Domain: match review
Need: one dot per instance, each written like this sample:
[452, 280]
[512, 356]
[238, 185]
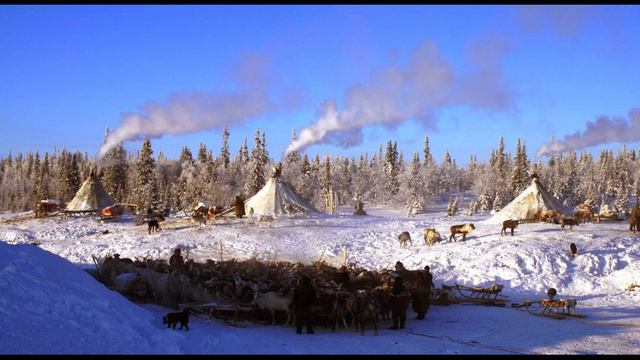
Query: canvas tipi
[525, 206]
[277, 197]
[91, 196]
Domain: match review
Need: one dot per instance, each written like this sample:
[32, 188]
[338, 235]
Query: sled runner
[554, 309]
[480, 295]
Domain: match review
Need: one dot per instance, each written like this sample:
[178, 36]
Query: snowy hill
[48, 305]
[52, 306]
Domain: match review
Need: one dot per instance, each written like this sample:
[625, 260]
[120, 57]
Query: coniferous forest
[384, 176]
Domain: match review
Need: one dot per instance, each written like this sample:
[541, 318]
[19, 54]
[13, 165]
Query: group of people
[420, 295]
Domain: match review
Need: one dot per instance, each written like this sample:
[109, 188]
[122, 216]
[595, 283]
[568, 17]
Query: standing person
[239, 206]
[398, 301]
[635, 216]
[176, 260]
[304, 295]
[428, 283]
[419, 296]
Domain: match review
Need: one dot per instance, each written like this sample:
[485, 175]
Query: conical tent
[277, 198]
[91, 196]
[533, 199]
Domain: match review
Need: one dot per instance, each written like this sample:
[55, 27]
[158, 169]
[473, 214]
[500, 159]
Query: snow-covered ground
[49, 305]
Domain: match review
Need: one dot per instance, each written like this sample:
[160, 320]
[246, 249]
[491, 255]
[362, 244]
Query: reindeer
[463, 229]
[404, 237]
[508, 224]
[273, 301]
[431, 236]
[201, 220]
[343, 306]
[548, 216]
[366, 311]
[568, 221]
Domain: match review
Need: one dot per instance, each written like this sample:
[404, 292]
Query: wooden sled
[553, 309]
[479, 295]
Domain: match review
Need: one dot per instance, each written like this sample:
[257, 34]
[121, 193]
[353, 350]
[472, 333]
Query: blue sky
[69, 72]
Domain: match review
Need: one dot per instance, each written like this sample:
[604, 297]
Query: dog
[574, 249]
[153, 225]
[172, 319]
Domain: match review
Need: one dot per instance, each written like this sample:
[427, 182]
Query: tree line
[382, 177]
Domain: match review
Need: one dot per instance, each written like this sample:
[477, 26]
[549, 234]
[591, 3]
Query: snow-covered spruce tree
[447, 175]
[202, 154]
[188, 188]
[185, 155]
[473, 207]
[166, 176]
[622, 182]
[145, 191]
[485, 201]
[291, 167]
[362, 182]
[113, 173]
[34, 170]
[225, 157]
[243, 155]
[391, 171]
[315, 184]
[428, 158]
[70, 176]
[497, 203]
[209, 179]
[518, 180]
[452, 207]
[43, 188]
[326, 183]
[306, 180]
[414, 186]
[342, 178]
[500, 171]
[255, 174]
[585, 173]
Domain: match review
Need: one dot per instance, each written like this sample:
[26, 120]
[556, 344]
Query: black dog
[153, 225]
[574, 249]
[172, 319]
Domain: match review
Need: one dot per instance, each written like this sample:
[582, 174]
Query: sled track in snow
[469, 343]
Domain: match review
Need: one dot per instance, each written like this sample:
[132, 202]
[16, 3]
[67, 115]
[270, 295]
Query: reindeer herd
[582, 214]
[350, 297]
[432, 236]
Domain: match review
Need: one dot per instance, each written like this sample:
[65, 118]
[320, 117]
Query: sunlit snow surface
[49, 305]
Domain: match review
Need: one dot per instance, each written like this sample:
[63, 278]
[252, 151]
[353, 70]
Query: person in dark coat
[342, 277]
[419, 296]
[634, 218]
[428, 283]
[398, 301]
[304, 296]
[239, 206]
[176, 260]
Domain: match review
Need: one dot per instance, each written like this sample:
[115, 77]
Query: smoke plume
[563, 20]
[417, 90]
[602, 131]
[196, 111]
